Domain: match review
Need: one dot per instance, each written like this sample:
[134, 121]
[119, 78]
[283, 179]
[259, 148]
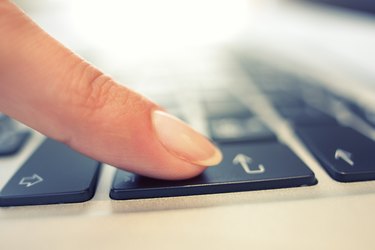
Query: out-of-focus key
[306, 116]
[11, 138]
[345, 154]
[245, 167]
[224, 130]
[53, 174]
[12, 142]
[285, 100]
[218, 109]
[365, 113]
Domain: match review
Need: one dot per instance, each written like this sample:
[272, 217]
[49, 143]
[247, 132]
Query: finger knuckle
[93, 89]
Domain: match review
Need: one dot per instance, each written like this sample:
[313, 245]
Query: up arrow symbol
[344, 155]
[29, 181]
[244, 161]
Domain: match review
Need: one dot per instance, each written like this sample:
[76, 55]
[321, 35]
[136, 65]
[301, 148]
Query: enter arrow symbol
[29, 181]
[244, 161]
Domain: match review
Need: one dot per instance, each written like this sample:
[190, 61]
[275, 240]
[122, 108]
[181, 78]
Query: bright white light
[148, 27]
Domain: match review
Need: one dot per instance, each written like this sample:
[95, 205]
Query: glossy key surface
[345, 154]
[53, 174]
[245, 167]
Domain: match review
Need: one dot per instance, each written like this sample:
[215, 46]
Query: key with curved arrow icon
[237, 172]
[245, 161]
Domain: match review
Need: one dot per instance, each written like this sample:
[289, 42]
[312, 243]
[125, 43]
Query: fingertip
[183, 142]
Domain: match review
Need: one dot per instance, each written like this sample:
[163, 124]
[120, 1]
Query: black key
[53, 174]
[245, 167]
[229, 129]
[224, 109]
[279, 82]
[220, 109]
[12, 142]
[306, 116]
[11, 138]
[365, 113]
[285, 100]
[318, 95]
[344, 153]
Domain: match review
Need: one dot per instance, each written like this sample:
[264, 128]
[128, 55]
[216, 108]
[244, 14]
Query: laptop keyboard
[254, 157]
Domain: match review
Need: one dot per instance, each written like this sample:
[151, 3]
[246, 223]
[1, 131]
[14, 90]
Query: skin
[49, 88]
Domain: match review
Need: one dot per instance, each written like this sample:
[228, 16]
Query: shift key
[345, 154]
[53, 174]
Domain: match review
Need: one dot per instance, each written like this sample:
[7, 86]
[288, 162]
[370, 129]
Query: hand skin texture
[54, 91]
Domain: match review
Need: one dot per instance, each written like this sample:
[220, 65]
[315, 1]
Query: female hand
[52, 90]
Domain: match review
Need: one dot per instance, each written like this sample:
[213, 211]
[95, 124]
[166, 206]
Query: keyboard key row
[57, 174]
[344, 153]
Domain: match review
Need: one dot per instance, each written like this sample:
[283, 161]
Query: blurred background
[137, 41]
[121, 33]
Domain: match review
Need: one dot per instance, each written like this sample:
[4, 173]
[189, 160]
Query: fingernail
[184, 142]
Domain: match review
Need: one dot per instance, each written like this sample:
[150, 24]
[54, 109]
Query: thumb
[47, 87]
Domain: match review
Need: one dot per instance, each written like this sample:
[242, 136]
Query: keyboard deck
[247, 120]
